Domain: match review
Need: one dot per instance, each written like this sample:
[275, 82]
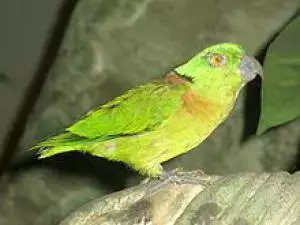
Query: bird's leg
[153, 171]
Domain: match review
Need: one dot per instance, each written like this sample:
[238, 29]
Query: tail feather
[61, 143]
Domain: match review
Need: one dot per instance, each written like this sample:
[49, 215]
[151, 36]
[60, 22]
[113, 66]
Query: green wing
[140, 109]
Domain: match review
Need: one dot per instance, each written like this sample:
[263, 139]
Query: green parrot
[162, 119]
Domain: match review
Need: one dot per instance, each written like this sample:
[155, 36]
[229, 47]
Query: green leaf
[281, 83]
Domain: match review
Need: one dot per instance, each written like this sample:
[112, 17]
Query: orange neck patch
[198, 106]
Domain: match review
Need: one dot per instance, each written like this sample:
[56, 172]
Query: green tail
[65, 142]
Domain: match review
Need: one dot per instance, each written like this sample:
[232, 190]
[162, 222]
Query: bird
[164, 118]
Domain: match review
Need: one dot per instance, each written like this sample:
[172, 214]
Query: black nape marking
[185, 77]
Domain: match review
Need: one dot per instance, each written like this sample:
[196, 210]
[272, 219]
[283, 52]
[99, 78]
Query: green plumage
[162, 119]
[138, 110]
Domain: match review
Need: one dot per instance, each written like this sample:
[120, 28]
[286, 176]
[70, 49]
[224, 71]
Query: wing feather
[140, 109]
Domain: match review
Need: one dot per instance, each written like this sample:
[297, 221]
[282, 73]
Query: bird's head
[221, 64]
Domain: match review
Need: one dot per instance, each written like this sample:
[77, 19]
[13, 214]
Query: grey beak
[250, 67]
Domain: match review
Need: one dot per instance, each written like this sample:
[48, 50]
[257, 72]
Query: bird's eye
[217, 60]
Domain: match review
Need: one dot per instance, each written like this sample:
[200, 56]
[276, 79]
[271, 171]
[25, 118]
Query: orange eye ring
[217, 60]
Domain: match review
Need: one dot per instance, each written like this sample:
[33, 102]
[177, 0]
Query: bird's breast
[200, 107]
[194, 121]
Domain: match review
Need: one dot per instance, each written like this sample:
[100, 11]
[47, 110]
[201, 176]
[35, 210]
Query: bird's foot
[175, 177]
[179, 176]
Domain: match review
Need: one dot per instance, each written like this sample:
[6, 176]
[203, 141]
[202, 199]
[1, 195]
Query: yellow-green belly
[144, 152]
